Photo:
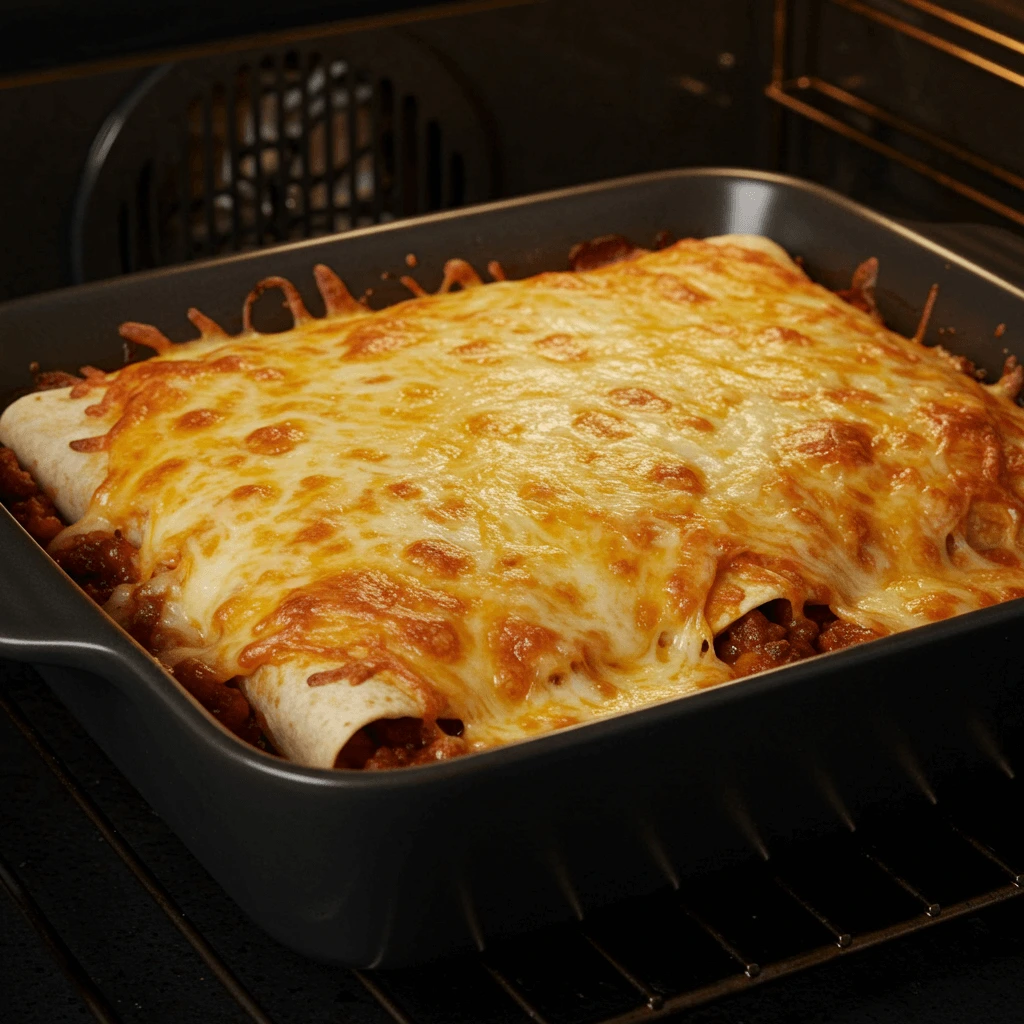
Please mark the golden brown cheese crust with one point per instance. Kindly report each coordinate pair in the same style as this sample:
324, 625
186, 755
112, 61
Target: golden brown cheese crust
535, 502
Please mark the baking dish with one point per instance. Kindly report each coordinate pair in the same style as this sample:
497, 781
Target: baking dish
387, 868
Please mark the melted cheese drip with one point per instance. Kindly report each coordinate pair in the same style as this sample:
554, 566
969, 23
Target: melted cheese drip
531, 503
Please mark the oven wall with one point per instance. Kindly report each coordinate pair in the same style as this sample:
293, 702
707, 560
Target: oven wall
582, 91
573, 91
46, 133
579, 90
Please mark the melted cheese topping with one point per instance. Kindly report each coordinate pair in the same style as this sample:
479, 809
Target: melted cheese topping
531, 503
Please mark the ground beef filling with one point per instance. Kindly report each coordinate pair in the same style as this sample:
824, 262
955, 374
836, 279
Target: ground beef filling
224, 700
98, 562
25, 501
399, 742
772, 635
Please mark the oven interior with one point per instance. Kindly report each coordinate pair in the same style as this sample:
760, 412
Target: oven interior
223, 145
219, 145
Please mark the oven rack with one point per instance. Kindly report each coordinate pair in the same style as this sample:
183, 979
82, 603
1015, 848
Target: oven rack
819, 900
803, 83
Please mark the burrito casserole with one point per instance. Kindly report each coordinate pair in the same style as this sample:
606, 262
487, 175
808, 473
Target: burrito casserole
386, 538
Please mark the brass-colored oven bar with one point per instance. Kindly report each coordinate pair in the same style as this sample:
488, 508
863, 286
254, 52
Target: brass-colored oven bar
811, 112
959, 21
780, 90
932, 40
923, 135
779, 43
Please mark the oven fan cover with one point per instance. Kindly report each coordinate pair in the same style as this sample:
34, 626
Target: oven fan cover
233, 153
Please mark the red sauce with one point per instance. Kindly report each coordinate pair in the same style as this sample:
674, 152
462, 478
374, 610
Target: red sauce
98, 562
29, 506
771, 635
222, 699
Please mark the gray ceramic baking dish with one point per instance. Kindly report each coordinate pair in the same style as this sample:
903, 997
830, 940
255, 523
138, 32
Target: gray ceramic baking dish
389, 868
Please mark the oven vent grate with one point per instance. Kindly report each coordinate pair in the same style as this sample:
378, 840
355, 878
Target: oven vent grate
908, 79
298, 149
222, 156
817, 901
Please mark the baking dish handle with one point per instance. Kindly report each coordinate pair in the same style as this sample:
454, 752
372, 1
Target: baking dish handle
41, 623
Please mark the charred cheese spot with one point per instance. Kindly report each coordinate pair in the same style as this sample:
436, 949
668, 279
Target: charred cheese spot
1001, 557
413, 615
158, 476
705, 426
524, 652
418, 392
782, 335
643, 533
537, 490
934, 607
405, 489
624, 567
197, 419
639, 398
677, 477
377, 337
645, 614
683, 592
479, 350
259, 492
677, 290
276, 439
316, 482
990, 524
367, 455
451, 510
267, 373
569, 593
562, 348
831, 442
492, 424
440, 557
851, 396
603, 425
316, 532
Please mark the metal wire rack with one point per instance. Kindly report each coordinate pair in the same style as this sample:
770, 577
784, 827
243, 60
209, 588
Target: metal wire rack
637, 961
804, 83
